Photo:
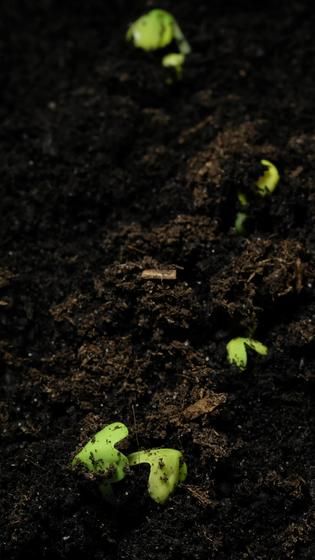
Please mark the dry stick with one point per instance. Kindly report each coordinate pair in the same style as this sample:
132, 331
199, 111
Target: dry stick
152, 274
135, 423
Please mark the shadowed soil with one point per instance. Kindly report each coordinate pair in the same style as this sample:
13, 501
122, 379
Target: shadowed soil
110, 167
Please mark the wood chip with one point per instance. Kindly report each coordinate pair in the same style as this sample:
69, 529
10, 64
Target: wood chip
152, 274
204, 406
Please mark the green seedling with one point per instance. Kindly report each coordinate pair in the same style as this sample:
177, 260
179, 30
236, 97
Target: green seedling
174, 61
155, 30
237, 353
267, 183
239, 223
100, 457
167, 469
242, 198
241, 217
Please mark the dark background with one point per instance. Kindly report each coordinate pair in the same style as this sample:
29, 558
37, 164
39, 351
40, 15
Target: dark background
107, 169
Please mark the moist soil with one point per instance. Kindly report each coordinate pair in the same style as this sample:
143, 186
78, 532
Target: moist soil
110, 166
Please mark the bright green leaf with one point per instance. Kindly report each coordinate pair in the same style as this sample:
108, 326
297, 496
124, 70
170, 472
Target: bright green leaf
237, 353
155, 30
175, 61
167, 469
99, 455
268, 181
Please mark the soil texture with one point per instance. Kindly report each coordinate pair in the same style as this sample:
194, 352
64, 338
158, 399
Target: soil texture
110, 168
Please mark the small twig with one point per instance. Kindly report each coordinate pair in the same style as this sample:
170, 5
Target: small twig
151, 274
135, 423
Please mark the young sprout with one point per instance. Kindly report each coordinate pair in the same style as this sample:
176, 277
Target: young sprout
242, 198
167, 469
175, 61
268, 181
241, 217
155, 30
100, 457
237, 353
239, 223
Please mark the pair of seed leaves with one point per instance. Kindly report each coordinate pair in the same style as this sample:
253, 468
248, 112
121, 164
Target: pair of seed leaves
155, 30
265, 184
99, 456
237, 350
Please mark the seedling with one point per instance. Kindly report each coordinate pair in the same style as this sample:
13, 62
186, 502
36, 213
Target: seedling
167, 469
267, 183
174, 61
241, 217
100, 457
239, 223
155, 30
242, 198
237, 353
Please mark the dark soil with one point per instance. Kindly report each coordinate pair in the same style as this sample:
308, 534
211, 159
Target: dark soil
107, 169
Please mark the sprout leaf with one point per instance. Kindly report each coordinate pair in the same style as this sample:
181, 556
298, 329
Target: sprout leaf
175, 61
236, 350
267, 183
155, 30
167, 470
99, 455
